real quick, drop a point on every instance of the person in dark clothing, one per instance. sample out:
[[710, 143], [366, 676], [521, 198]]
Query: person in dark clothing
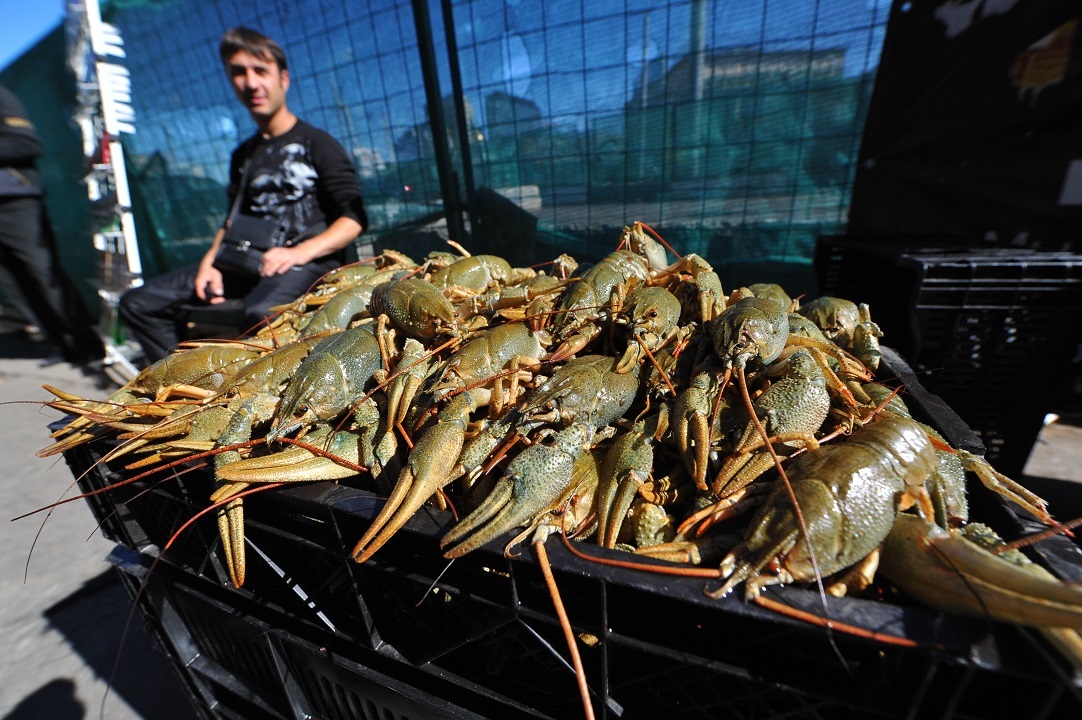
[[28, 252], [293, 174]]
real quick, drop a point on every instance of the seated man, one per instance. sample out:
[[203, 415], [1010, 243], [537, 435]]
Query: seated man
[[290, 173]]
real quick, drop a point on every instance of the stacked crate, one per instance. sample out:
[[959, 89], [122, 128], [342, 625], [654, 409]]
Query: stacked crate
[[992, 331]]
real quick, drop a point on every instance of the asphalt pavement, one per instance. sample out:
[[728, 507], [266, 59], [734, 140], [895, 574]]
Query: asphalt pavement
[[63, 612]]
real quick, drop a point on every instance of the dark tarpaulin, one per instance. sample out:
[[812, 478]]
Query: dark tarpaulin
[[974, 124], [46, 87]]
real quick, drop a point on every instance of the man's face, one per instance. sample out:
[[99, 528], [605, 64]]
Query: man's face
[[259, 84]]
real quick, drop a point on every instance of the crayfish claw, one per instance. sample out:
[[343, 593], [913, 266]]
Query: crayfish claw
[[535, 482], [231, 529], [391, 518], [425, 473], [953, 574], [298, 464], [495, 504]]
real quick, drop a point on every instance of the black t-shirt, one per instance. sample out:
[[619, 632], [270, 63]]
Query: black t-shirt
[[302, 179]]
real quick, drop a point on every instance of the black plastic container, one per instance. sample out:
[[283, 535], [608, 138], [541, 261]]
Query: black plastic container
[[407, 635], [992, 331]]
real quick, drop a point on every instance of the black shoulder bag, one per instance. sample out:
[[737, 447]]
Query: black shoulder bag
[[246, 238]]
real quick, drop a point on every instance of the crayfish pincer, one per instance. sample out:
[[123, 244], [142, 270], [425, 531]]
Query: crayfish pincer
[[534, 481], [572, 409], [952, 571]]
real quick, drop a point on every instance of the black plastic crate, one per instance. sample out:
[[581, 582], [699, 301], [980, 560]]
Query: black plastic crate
[[244, 660], [992, 331], [199, 320], [313, 634]]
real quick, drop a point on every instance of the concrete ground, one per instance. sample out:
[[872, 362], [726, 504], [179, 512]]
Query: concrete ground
[[62, 611]]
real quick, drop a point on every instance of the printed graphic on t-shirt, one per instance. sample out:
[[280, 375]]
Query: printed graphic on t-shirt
[[284, 187]]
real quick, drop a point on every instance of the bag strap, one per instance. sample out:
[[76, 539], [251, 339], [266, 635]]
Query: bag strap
[[240, 193]]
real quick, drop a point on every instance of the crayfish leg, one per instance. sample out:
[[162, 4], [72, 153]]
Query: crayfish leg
[[857, 578], [999, 483], [739, 566]]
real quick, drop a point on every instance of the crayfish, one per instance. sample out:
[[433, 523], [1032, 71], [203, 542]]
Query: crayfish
[[633, 401]]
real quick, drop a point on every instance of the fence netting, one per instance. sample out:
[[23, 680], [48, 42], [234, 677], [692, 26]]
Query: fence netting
[[731, 127]]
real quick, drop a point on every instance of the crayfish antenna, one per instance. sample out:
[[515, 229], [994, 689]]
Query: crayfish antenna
[[565, 625]]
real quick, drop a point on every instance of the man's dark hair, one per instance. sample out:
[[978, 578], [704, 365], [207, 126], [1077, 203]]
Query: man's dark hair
[[254, 43]]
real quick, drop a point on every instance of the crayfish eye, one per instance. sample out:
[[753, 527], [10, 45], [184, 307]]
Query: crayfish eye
[[302, 409], [232, 392]]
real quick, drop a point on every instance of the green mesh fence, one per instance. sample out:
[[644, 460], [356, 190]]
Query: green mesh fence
[[730, 127]]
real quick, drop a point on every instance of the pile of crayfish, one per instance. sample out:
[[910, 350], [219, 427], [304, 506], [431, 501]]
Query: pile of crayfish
[[632, 403]]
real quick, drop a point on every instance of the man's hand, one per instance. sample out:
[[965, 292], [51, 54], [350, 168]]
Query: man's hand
[[341, 233], [278, 260], [208, 284]]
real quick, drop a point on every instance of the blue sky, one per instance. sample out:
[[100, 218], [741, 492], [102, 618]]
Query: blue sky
[[24, 23]]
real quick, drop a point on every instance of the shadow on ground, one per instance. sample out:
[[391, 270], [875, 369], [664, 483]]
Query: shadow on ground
[[93, 621], [15, 343]]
